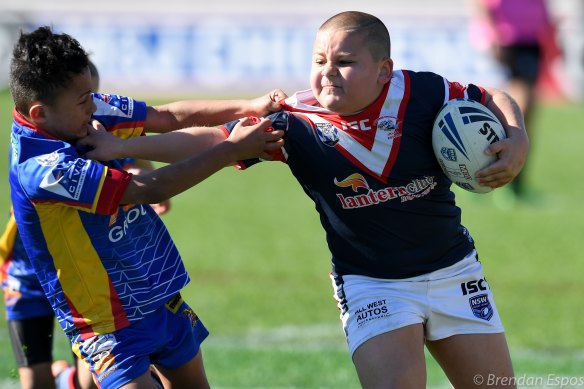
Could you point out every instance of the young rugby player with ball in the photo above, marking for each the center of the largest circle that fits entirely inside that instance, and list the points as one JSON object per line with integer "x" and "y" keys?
{"x": 360, "y": 144}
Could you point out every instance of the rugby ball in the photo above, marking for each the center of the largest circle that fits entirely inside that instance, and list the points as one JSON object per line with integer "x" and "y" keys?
{"x": 463, "y": 129}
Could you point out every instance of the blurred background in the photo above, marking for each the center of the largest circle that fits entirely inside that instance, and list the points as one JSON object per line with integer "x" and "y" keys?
{"x": 228, "y": 46}
{"x": 252, "y": 241}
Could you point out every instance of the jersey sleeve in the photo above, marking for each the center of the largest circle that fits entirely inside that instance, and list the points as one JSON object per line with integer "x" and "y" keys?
{"x": 437, "y": 90}
{"x": 279, "y": 122}
{"x": 61, "y": 176}
{"x": 470, "y": 91}
{"x": 123, "y": 116}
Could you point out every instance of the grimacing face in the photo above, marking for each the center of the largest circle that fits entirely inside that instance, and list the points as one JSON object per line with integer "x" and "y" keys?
{"x": 68, "y": 117}
{"x": 345, "y": 78}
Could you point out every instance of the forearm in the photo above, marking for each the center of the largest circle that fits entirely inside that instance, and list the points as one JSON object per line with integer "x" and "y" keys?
{"x": 140, "y": 165}
{"x": 509, "y": 113}
{"x": 172, "y": 146}
{"x": 168, "y": 181}
{"x": 187, "y": 113}
{"x": 511, "y": 151}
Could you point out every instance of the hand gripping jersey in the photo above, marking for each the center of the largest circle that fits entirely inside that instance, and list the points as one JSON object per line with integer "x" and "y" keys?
{"x": 383, "y": 200}
{"x": 102, "y": 265}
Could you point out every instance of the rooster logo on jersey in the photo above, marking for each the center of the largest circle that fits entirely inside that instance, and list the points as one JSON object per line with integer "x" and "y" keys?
{"x": 355, "y": 181}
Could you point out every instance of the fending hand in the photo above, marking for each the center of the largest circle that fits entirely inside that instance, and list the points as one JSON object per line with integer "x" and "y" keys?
{"x": 268, "y": 103}
{"x": 100, "y": 144}
{"x": 254, "y": 138}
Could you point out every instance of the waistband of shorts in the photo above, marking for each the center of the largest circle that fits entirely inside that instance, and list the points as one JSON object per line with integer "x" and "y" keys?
{"x": 450, "y": 271}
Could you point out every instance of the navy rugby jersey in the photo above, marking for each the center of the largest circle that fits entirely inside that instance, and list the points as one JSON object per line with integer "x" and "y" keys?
{"x": 383, "y": 200}
{"x": 102, "y": 265}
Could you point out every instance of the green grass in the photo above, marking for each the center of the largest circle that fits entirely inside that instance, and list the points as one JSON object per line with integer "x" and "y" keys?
{"x": 259, "y": 266}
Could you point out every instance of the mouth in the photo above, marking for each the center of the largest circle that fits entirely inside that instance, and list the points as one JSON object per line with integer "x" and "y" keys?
{"x": 331, "y": 89}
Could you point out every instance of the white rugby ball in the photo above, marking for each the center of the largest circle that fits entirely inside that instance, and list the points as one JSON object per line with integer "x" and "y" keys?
{"x": 462, "y": 131}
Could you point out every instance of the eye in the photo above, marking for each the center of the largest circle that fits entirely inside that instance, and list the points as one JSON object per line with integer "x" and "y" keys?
{"x": 345, "y": 62}
{"x": 85, "y": 100}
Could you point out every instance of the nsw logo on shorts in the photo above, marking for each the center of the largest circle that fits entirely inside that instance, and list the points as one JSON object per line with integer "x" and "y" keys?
{"x": 481, "y": 307}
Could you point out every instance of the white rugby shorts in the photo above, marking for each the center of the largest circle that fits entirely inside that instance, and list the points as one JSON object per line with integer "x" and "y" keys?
{"x": 451, "y": 301}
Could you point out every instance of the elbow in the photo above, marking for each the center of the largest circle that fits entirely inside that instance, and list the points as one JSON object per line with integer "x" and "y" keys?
{"x": 150, "y": 192}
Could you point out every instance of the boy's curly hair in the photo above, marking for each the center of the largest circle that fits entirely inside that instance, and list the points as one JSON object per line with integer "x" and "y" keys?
{"x": 43, "y": 63}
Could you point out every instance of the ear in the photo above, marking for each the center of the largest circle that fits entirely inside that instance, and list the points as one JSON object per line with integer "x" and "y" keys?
{"x": 37, "y": 113}
{"x": 385, "y": 71}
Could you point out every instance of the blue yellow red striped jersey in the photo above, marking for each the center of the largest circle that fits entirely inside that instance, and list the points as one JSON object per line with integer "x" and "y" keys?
{"x": 102, "y": 264}
{"x": 23, "y": 295}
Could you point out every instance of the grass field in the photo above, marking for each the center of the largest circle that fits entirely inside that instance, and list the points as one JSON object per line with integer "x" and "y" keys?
{"x": 259, "y": 266}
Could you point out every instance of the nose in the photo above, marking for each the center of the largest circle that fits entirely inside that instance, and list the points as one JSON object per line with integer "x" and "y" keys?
{"x": 92, "y": 107}
{"x": 329, "y": 70}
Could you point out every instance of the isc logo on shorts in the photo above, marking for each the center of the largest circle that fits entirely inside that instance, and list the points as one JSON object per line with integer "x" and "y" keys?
{"x": 474, "y": 286}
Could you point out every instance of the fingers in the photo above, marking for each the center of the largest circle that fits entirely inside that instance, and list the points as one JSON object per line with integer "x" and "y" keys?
{"x": 161, "y": 208}
{"x": 97, "y": 125}
{"x": 275, "y": 145}
{"x": 266, "y": 156}
{"x": 277, "y": 95}
{"x": 496, "y": 175}
{"x": 495, "y": 148}
{"x": 505, "y": 169}
{"x": 253, "y": 125}
{"x": 253, "y": 121}
{"x": 249, "y": 121}
{"x": 495, "y": 180}
{"x": 273, "y": 135}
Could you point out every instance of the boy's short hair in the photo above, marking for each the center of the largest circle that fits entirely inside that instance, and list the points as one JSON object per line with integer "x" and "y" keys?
{"x": 42, "y": 64}
{"x": 375, "y": 33}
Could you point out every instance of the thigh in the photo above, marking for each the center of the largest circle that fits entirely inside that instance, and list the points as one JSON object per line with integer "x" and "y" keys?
{"x": 186, "y": 332}
{"x": 144, "y": 381}
{"x": 475, "y": 360}
{"x": 462, "y": 302}
{"x": 371, "y": 307}
{"x": 83, "y": 376}
{"x": 189, "y": 375}
{"x": 124, "y": 356}
{"x": 394, "y": 359}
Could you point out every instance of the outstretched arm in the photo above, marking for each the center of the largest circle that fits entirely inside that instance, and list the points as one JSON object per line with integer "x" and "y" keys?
{"x": 188, "y": 113}
{"x": 246, "y": 141}
{"x": 169, "y": 147}
{"x": 142, "y": 166}
{"x": 512, "y": 151}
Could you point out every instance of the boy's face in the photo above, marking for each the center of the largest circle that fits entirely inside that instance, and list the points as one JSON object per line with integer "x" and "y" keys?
{"x": 67, "y": 119}
{"x": 344, "y": 77}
